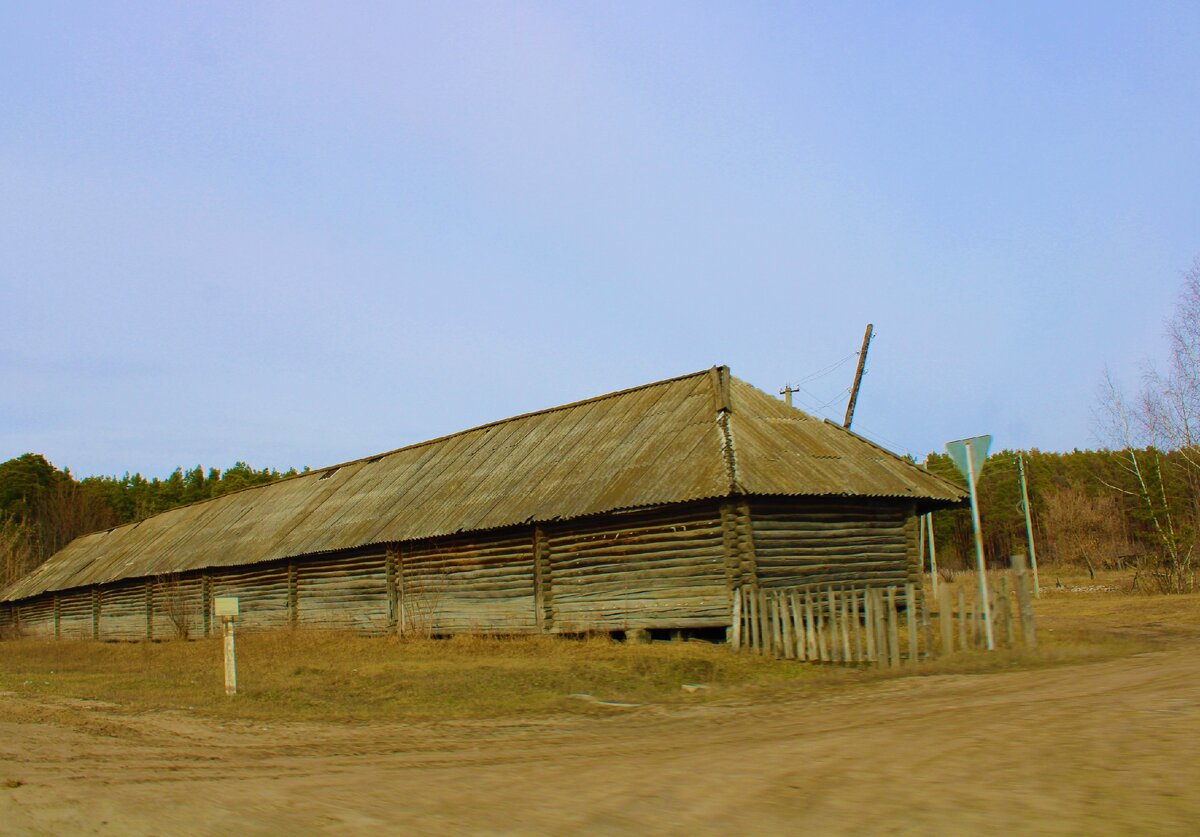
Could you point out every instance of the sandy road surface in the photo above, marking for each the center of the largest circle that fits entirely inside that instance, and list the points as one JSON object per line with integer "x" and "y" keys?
{"x": 1100, "y": 748}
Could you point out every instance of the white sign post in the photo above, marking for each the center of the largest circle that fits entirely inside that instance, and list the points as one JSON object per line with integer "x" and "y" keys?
{"x": 227, "y": 608}
{"x": 969, "y": 456}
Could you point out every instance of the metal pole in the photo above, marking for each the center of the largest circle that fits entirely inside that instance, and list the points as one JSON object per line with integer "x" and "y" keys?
{"x": 1037, "y": 591}
{"x": 862, "y": 362}
{"x": 230, "y": 657}
{"x": 932, "y": 553}
{"x": 980, "y": 566}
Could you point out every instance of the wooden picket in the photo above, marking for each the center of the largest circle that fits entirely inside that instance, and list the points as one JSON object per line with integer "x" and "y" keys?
{"x": 880, "y": 626}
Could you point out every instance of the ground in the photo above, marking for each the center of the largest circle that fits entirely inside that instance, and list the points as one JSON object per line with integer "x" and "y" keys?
{"x": 1106, "y": 745}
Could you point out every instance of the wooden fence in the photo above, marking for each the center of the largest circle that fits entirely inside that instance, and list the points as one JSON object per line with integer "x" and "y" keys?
{"x": 881, "y": 626}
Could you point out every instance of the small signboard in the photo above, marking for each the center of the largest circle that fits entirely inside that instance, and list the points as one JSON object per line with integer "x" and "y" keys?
{"x": 225, "y": 606}
{"x": 978, "y": 451}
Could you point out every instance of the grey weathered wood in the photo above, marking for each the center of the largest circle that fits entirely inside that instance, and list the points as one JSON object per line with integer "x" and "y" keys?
{"x": 810, "y": 627}
{"x": 946, "y": 618}
{"x": 293, "y": 598}
{"x": 97, "y": 605}
{"x": 822, "y": 630}
{"x": 856, "y": 626}
{"x": 777, "y": 624}
{"x": 785, "y": 618}
{"x": 963, "y": 620}
{"x": 868, "y": 617}
{"x": 1024, "y": 601}
{"x": 756, "y": 641}
{"x": 893, "y": 629}
{"x": 910, "y": 608}
{"x": 1005, "y": 608}
{"x": 926, "y": 627}
{"x": 149, "y": 605}
{"x": 847, "y": 653}
{"x": 735, "y": 620}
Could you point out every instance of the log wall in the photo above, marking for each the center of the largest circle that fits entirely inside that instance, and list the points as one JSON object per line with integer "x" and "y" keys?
{"x": 672, "y": 567}
{"x": 657, "y": 569}
{"x": 800, "y": 543}
{"x": 343, "y": 591}
{"x": 468, "y": 585}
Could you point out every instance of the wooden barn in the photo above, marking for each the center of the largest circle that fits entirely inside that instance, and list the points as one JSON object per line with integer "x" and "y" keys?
{"x": 643, "y": 508}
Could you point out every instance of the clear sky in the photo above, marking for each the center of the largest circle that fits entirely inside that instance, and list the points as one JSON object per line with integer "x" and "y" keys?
{"x": 298, "y": 233}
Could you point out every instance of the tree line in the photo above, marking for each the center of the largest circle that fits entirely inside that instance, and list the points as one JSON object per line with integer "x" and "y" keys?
{"x": 43, "y": 508}
{"x": 1087, "y": 506}
{"x": 1088, "y": 509}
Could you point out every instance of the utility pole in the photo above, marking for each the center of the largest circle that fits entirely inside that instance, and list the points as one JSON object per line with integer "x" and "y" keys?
{"x": 786, "y": 392}
{"x": 1028, "y": 522}
{"x": 862, "y": 362}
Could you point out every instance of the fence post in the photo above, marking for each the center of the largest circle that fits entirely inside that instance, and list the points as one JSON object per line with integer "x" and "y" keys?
{"x": 869, "y": 625}
{"x": 785, "y": 622}
{"x": 797, "y": 625}
{"x": 946, "y": 619}
{"x": 1005, "y": 608}
{"x": 858, "y": 627}
{"x": 961, "y": 610}
{"x": 810, "y": 626}
{"x": 1024, "y": 601}
{"x": 910, "y": 611}
{"x": 893, "y": 629}
{"x": 847, "y": 651}
{"x": 755, "y": 639}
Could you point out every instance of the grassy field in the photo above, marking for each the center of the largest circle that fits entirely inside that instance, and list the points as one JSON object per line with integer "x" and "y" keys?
{"x": 307, "y": 675}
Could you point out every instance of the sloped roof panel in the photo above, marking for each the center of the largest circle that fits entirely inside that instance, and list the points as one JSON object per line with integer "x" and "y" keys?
{"x": 656, "y": 444}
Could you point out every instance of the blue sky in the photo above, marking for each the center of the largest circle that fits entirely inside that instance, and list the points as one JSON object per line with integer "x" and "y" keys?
{"x": 300, "y": 233}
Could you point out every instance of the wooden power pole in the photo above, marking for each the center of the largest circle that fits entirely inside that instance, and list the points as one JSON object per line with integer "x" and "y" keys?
{"x": 862, "y": 362}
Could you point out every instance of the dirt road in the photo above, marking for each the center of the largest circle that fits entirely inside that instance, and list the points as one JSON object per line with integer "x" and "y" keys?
{"x": 1106, "y": 747}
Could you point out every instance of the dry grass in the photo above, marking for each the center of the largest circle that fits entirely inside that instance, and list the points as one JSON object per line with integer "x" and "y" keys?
{"x": 307, "y": 675}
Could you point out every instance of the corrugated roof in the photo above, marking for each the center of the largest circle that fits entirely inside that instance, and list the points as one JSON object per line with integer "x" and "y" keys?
{"x": 698, "y": 436}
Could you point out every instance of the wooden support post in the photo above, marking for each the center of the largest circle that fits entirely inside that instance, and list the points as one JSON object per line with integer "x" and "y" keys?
{"x": 393, "y": 592}
{"x": 1024, "y": 601}
{"x": 402, "y": 622}
{"x": 881, "y": 623}
{"x": 893, "y": 616}
{"x": 206, "y": 603}
{"x": 543, "y": 593}
{"x": 926, "y": 628}
{"x": 735, "y": 620}
{"x": 57, "y": 617}
{"x": 149, "y": 610}
{"x": 910, "y": 611}
{"x": 97, "y": 604}
{"x": 933, "y": 569}
{"x": 293, "y": 593}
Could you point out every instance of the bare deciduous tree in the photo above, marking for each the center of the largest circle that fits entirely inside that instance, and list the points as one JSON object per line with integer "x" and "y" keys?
{"x": 1166, "y": 417}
